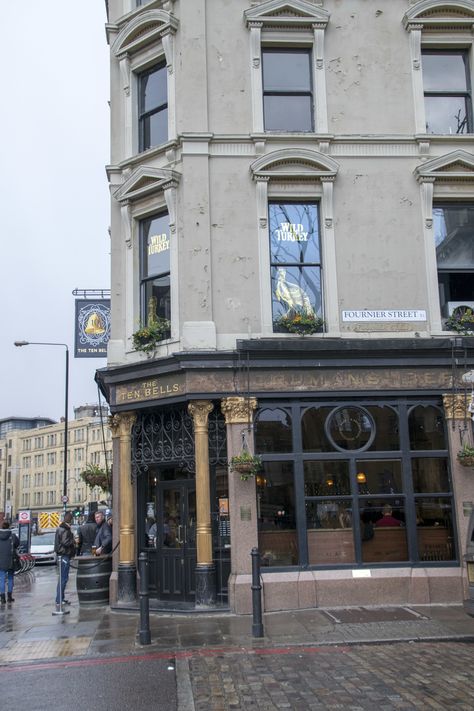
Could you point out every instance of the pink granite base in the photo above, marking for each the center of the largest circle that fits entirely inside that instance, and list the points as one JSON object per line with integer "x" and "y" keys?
{"x": 344, "y": 588}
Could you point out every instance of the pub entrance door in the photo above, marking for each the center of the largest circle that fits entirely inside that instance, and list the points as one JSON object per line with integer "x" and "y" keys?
{"x": 176, "y": 540}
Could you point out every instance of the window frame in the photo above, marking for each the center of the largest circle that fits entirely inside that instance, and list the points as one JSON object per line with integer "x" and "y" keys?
{"x": 466, "y": 95}
{"x": 297, "y": 175}
{"x": 431, "y": 27}
{"x": 146, "y": 40}
{"x": 305, "y": 29}
{"x": 148, "y": 278}
{"x": 142, "y": 115}
{"x": 448, "y": 178}
{"x": 294, "y": 264}
{"x": 437, "y": 203}
{"x": 309, "y": 92}
{"x": 146, "y": 192}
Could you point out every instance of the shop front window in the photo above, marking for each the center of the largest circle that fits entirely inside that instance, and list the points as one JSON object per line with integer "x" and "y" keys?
{"x": 426, "y": 426}
{"x": 329, "y": 531}
{"x": 434, "y": 527}
{"x": 368, "y": 484}
{"x": 384, "y": 535}
{"x": 375, "y": 476}
{"x": 277, "y": 538}
{"x": 273, "y": 431}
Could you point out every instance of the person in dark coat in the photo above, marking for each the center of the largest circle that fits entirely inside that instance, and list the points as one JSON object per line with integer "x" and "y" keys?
{"x": 65, "y": 547}
{"x": 87, "y": 535}
{"x": 8, "y": 544}
{"x": 103, "y": 535}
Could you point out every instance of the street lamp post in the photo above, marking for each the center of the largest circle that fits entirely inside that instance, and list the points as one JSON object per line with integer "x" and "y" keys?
{"x": 66, "y": 398}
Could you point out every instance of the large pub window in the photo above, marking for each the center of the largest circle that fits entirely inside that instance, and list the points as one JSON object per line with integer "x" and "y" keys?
{"x": 366, "y": 484}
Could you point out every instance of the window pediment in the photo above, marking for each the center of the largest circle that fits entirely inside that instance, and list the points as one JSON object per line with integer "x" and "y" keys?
{"x": 143, "y": 30}
{"x": 291, "y": 163}
{"x": 145, "y": 180}
{"x": 458, "y": 165}
{"x": 440, "y": 14}
{"x": 292, "y": 13}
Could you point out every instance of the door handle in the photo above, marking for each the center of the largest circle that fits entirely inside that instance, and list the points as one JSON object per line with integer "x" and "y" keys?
{"x": 179, "y": 536}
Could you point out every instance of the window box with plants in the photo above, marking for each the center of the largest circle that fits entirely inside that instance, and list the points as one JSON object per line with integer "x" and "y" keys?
{"x": 246, "y": 464}
{"x": 466, "y": 456}
{"x": 148, "y": 338}
{"x": 299, "y": 321}
{"x": 461, "y": 320}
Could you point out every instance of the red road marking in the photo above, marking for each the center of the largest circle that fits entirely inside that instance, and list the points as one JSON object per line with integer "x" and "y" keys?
{"x": 185, "y": 654}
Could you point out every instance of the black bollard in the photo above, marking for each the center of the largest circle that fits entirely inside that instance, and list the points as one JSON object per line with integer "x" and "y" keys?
{"x": 257, "y": 624}
{"x": 145, "y": 634}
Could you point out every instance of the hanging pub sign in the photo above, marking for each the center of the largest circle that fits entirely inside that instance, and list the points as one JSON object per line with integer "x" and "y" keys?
{"x": 92, "y": 328}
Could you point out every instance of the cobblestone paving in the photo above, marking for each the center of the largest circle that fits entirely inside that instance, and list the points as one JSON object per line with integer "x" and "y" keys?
{"x": 356, "y": 678}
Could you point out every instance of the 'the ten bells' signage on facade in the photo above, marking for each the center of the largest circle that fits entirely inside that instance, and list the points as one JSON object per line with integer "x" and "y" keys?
{"x": 385, "y": 315}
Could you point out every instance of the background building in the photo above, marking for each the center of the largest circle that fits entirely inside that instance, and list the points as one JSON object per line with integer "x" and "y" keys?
{"x": 292, "y": 221}
{"x": 8, "y": 466}
{"x": 33, "y": 461}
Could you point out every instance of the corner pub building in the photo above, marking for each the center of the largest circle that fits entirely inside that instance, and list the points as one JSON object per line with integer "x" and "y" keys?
{"x": 292, "y": 217}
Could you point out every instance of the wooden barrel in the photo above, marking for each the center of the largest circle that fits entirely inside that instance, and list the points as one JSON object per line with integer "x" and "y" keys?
{"x": 92, "y": 580}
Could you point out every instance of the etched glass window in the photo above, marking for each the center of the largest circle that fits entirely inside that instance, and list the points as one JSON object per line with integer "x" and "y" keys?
{"x": 295, "y": 259}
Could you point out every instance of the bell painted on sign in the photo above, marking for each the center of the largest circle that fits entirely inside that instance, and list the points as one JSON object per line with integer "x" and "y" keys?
{"x": 94, "y": 325}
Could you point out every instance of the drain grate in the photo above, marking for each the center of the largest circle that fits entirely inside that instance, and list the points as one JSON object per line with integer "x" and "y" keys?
{"x": 353, "y": 615}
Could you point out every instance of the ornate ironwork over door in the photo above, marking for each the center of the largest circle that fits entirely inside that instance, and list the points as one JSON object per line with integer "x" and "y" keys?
{"x": 167, "y": 437}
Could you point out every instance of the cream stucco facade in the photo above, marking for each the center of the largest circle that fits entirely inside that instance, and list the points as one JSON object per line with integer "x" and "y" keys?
{"x": 376, "y": 175}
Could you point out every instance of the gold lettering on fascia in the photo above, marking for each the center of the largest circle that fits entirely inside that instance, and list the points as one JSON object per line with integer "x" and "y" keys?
{"x": 291, "y": 232}
{"x": 344, "y": 379}
{"x": 147, "y": 390}
{"x": 158, "y": 243}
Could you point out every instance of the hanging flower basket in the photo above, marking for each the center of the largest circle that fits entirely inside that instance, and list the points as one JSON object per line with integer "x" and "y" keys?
{"x": 466, "y": 456}
{"x": 96, "y": 476}
{"x": 147, "y": 338}
{"x": 300, "y": 322}
{"x": 246, "y": 464}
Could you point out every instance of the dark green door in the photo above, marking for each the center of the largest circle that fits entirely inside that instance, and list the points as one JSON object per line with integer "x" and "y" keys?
{"x": 176, "y": 540}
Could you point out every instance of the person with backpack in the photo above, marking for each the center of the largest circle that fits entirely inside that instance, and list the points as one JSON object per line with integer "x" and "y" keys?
{"x": 65, "y": 547}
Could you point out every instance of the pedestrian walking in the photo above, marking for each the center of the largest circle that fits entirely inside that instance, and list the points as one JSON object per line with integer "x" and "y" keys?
{"x": 103, "y": 536}
{"x": 87, "y": 535}
{"x": 8, "y": 547}
{"x": 65, "y": 547}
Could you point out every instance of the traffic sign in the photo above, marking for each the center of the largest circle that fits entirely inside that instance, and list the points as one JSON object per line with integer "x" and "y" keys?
{"x": 24, "y": 517}
{"x": 64, "y": 499}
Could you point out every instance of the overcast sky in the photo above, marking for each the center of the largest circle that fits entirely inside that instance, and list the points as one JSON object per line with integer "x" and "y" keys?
{"x": 54, "y": 143}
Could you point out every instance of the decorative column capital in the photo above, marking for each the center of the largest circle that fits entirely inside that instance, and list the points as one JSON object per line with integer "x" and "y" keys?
{"x": 455, "y": 406}
{"x": 238, "y": 410}
{"x": 199, "y": 411}
{"x": 121, "y": 424}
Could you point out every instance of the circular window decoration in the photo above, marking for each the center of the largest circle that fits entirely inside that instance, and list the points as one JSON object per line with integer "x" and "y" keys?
{"x": 350, "y": 428}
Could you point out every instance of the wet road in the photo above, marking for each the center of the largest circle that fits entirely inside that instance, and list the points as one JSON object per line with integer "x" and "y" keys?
{"x": 138, "y": 683}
